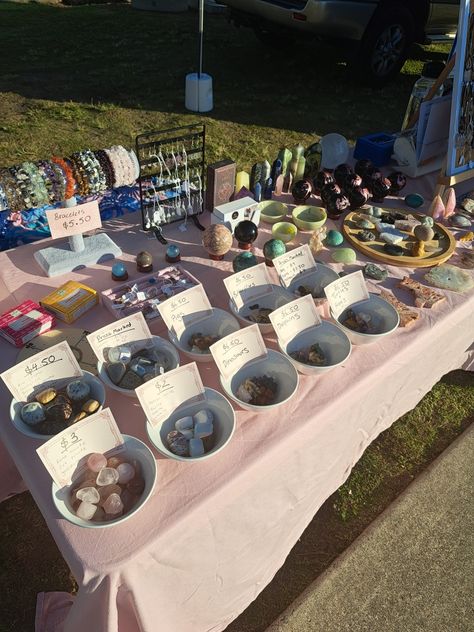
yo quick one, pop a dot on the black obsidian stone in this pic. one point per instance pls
(246, 232)
(392, 249)
(364, 167)
(321, 179)
(301, 191)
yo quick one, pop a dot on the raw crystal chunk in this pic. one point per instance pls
(88, 494)
(107, 476)
(96, 462)
(86, 511)
(203, 429)
(105, 492)
(203, 415)
(126, 472)
(113, 505)
(185, 423)
(196, 447)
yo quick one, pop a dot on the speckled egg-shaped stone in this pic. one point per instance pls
(414, 200)
(334, 238)
(460, 221)
(423, 233)
(344, 255)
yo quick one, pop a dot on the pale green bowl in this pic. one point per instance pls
(284, 231)
(309, 217)
(272, 211)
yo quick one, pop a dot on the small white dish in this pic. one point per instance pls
(275, 365)
(161, 345)
(276, 298)
(135, 450)
(224, 425)
(220, 323)
(384, 316)
(97, 393)
(334, 343)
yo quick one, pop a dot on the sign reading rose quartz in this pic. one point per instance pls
(48, 367)
(249, 284)
(346, 291)
(162, 395)
(294, 263)
(289, 320)
(65, 455)
(64, 222)
(132, 330)
(232, 352)
(186, 308)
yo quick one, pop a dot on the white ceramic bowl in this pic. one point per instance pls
(384, 317)
(277, 298)
(97, 393)
(161, 345)
(275, 365)
(219, 323)
(316, 280)
(224, 425)
(135, 449)
(334, 343)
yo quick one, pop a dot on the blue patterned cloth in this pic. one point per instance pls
(21, 228)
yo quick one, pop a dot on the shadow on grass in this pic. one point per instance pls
(138, 60)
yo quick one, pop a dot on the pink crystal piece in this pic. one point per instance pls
(86, 510)
(449, 202)
(126, 473)
(107, 476)
(113, 505)
(437, 208)
(96, 462)
(88, 494)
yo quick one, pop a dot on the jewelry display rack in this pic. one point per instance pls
(171, 176)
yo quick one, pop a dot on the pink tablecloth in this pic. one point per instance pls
(214, 533)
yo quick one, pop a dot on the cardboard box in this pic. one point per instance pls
(24, 322)
(70, 301)
(232, 213)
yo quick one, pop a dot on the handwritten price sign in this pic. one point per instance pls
(248, 285)
(294, 263)
(161, 396)
(64, 222)
(65, 455)
(232, 352)
(346, 291)
(188, 307)
(132, 330)
(56, 364)
(289, 320)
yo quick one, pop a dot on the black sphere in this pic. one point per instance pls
(246, 232)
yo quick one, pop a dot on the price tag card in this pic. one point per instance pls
(64, 222)
(249, 284)
(346, 291)
(293, 263)
(232, 352)
(132, 331)
(54, 365)
(65, 455)
(187, 307)
(161, 396)
(294, 317)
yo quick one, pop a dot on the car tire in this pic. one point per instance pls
(385, 46)
(274, 40)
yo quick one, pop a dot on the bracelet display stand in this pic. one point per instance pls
(78, 251)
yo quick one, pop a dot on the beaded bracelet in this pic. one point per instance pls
(68, 175)
(59, 181)
(80, 174)
(95, 175)
(128, 166)
(106, 167)
(117, 166)
(3, 200)
(136, 165)
(12, 190)
(48, 176)
(32, 185)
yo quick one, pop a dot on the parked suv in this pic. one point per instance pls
(381, 30)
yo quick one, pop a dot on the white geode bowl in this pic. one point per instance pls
(134, 449)
(97, 393)
(224, 425)
(276, 298)
(161, 345)
(275, 365)
(316, 280)
(334, 343)
(220, 323)
(385, 318)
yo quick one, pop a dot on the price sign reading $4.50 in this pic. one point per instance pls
(292, 318)
(236, 349)
(47, 367)
(64, 222)
(346, 291)
(294, 263)
(248, 285)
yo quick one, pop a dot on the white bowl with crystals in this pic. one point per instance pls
(263, 305)
(193, 420)
(313, 282)
(214, 327)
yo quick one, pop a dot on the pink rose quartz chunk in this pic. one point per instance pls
(96, 462)
(113, 505)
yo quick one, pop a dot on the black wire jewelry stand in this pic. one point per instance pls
(171, 176)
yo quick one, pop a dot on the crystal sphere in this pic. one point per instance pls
(144, 261)
(273, 248)
(246, 233)
(301, 191)
(243, 261)
(217, 240)
(119, 271)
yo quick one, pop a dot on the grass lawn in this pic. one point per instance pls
(93, 76)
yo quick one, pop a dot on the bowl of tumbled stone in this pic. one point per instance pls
(124, 368)
(110, 488)
(197, 337)
(318, 349)
(259, 309)
(368, 321)
(313, 282)
(197, 431)
(50, 410)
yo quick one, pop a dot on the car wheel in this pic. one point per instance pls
(272, 39)
(385, 45)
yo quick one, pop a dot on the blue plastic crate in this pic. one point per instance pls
(376, 147)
